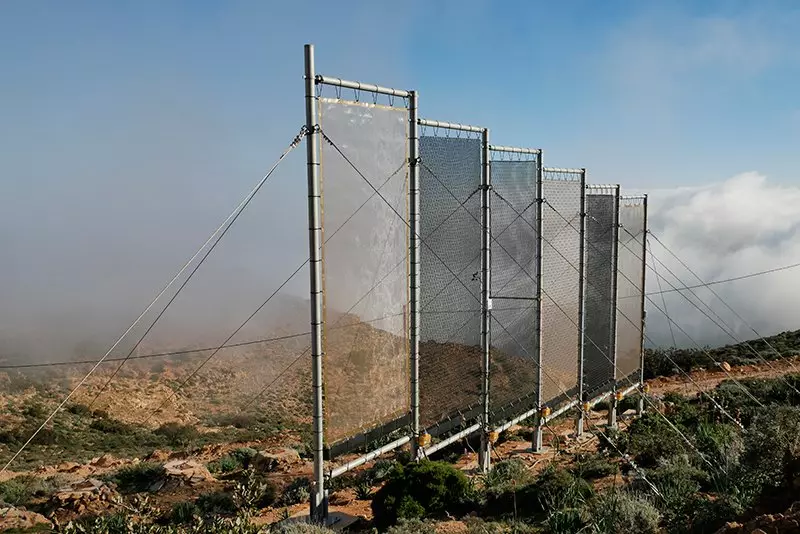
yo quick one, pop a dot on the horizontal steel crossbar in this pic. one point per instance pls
(358, 86)
(515, 150)
(450, 125)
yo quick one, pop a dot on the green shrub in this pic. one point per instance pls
(616, 512)
(381, 470)
(217, 503)
(419, 490)
(412, 526)
(300, 528)
(184, 512)
(676, 479)
(554, 489)
(138, 477)
(591, 466)
(506, 475)
(80, 410)
(17, 491)
(244, 455)
(650, 439)
(177, 435)
(110, 426)
(254, 491)
(298, 491)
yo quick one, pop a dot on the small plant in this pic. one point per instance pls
(177, 435)
(298, 491)
(253, 492)
(506, 475)
(110, 426)
(591, 466)
(80, 410)
(217, 503)
(620, 511)
(184, 512)
(412, 526)
(137, 478)
(363, 490)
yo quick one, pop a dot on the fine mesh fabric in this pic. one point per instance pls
(560, 279)
(366, 365)
(629, 287)
(598, 350)
(514, 368)
(450, 230)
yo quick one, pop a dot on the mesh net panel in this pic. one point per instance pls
(514, 370)
(450, 229)
(560, 258)
(366, 365)
(629, 286)
(598, 363)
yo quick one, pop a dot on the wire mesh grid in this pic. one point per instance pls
(366, 365)
(630, 285)
(599, 306)
(513, 376)
(450, 230)
(562, 193)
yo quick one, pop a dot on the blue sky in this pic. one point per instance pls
(130, 128)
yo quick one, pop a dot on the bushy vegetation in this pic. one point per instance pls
(420, 490)
(138, 477)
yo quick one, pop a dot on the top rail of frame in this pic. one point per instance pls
(632, 197)
(450, 125)
(602, 186)
(319, 79)
(561, 170)
(515, 150)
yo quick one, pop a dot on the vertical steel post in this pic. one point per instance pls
(414, 250)
(537, 438)
(581, 281)
(485, 452)
(318, 504)
(640, 408)
(612, 410)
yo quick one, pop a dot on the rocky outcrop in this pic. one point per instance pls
(785, 523)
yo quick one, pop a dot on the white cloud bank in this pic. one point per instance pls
(723, 230)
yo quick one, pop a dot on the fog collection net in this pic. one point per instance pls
(629, 286)
(514, 367)
(450, 256)
(599, 305)
(560, 280)
(365, 266)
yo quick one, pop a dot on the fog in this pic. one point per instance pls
(742, 225)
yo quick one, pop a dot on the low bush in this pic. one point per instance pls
(616, 512)
(506, 475)
(298, 491)
(177, 435)
(591, 466)
(217, 503)
(254, 491)
(420, 490)
(138, 477)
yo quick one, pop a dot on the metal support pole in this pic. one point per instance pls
(414, 249)
(537, 444)
(318, 498)
(581, 279)
(486, 181)
(612, 403)
(640, 408)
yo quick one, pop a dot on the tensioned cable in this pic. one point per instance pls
(624, 457)
(684, 332)
(726, 280)
(580, 330)
(725, 327)
(227, 223)
(333, 234)
(638, 327)
(392, 208)
(663, 298)
(723, 301)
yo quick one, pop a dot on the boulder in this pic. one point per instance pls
(279, 459)
(187, 472)
(14, 518)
